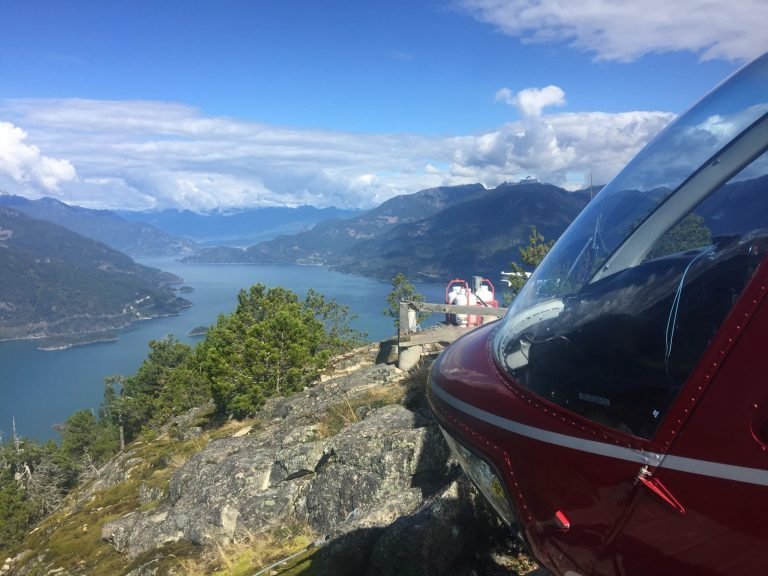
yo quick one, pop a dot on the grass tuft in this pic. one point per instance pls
(250, 553)
(71, 539)
(354, 409)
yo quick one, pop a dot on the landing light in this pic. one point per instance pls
(483, 477)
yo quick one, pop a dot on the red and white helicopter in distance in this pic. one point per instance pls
(617, 416)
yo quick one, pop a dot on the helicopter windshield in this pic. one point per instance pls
(616, 316)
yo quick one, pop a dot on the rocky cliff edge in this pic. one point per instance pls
(350, 476)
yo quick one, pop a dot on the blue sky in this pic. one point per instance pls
(231, 104)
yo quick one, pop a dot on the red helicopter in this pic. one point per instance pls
(617, 416)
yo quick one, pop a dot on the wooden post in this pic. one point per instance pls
(403, 328)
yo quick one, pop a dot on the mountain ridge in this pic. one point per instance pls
(56, 282)
(478, 237)
(439, 232)
(239, 228)
(136, 239)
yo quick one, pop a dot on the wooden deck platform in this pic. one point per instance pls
(442, 333)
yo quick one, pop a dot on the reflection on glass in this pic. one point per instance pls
(616, 344)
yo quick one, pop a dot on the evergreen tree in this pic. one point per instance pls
(79, 433)
(530, 255)
(272, 344)
(88, 441)
(402, 291)
(336, 319)
(117, 410)
(17, 513)
(150, 393)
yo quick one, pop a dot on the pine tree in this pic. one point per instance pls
(272, 344)
(402, 291)
(530, 255)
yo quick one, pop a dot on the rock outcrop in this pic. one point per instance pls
(378, 468)
(357, 461)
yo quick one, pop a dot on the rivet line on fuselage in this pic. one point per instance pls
(670, 462)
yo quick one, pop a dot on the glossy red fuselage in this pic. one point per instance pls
(690, 500)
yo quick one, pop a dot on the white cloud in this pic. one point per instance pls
(145, 155)
(627, 30)
(532, 101)
(505, 95)
(25, 165)
(555, 147)
(365, 180)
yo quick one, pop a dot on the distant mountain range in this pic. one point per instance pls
(438, 233)
(137, 239)
(55, 282)
(323, 244)
(329, 241)
(242, 228)
(480, 236)
(174, 232)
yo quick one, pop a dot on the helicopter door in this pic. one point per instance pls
(702, 510)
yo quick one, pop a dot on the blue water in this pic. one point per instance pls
(42, 388)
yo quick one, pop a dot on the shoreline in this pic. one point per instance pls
(60, 342)
(68, 345)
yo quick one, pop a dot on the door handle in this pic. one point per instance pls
(655, 485)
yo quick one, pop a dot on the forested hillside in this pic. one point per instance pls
(239, 228)
(274, 343)
(480, 236)
(331, 238)
(137, 239)
(56, 282)
(438, 233)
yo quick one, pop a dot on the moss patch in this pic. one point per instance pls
(71, 537)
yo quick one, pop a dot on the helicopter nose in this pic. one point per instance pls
(462, 383)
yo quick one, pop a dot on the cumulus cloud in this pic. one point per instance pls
(25, 165)
(154, 155)
(625, 31)
(143, 154)
(531, 101)
(554, 147)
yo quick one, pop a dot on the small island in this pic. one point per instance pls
(198, 331)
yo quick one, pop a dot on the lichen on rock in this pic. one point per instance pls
(355, 463)
(285, 472)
